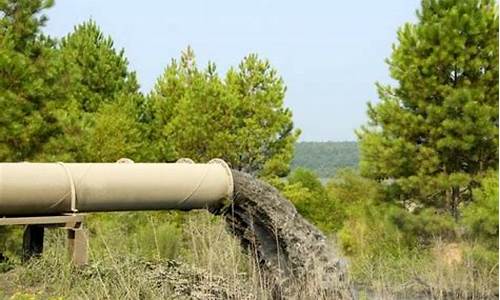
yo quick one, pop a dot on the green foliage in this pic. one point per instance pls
(371, 231)
(309, 196)
(425, 225)
(307, 179)
(265, 126)
(100, 118)
(350, 188)
(27, 91)
(438, 129)
(153, 236)
(390, 248)
(98, 72)
(325, 158)
(366, 223)
(481, 216)
(76, 100)
(115, 133)
(11, 239)
(484, 256)
(373, 220)
(431, 147)
(28, 74)
(428, 142)
(241, 119)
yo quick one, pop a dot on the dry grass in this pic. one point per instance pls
(428, 275)
(117, 271)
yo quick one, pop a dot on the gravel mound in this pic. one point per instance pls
(181, 281)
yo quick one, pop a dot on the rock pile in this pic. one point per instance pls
(181, 281)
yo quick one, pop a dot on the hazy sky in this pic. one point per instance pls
(330, 53)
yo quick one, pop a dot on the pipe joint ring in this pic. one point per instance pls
(72, 187)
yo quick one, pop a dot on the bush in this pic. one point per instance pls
(349, 188)
(395, 253)
(366, 221)
(481, 215)
(11, 238)
(309, 196)
(150, 235)
(425, 225)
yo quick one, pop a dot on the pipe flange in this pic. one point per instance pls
(229, 174)
(184, 160)
(124, 160)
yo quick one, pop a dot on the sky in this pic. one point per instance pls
(329, 53)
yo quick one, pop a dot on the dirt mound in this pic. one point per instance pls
(293, 255)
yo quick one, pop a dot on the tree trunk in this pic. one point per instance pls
(455, 201)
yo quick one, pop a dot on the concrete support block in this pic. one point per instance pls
(78, 246)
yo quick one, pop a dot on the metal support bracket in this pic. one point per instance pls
(77, 241)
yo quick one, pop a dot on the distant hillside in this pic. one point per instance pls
(326, 157)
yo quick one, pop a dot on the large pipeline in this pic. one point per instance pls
(293, 255)
(37, 189)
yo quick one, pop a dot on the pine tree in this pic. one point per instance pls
(28, 76)
(434, 132)
(28, 71)
(163, 101)
(240, 118)
(265, 128)
(103, 108)
(99, 72)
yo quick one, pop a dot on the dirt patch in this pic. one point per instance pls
(450, 254)
(293, 255)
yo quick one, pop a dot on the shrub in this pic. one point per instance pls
(424, 225)
(481, 215)
(309, 196)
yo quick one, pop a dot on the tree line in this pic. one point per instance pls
(325, 158)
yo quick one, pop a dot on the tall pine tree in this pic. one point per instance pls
(241, 118)
(265, 130)
(29, 75)
(435, 132)
(99, 71)
(100, 118)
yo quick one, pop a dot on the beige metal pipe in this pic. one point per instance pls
(31, 189)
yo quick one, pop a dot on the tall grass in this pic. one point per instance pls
(428, 274)
(107, 277)
(121, 266)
